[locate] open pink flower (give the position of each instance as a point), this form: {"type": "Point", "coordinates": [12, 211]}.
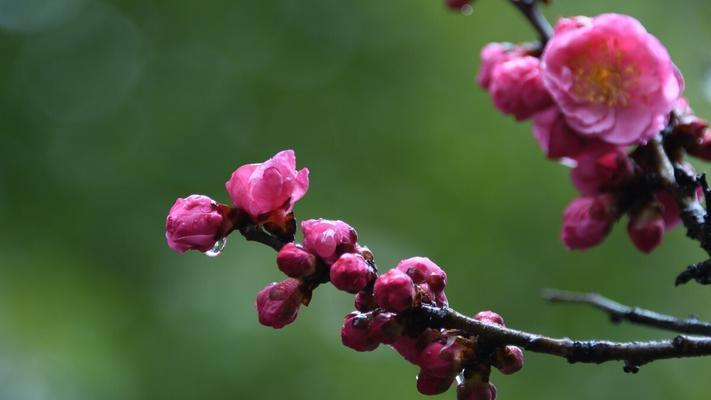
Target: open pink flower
{"type": "Point", "coordinates": [517, 89]}
{"type": "Point", "coordinates": [195, 222]}
{"type": "Point", "coordinates": [272, 185]}
{"type": "Point", "coordinates": [611, 78]}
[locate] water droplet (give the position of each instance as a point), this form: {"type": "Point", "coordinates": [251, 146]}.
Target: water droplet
{"type": "Point", "coordinates": [467, 9]}
{"type": "Point", "coordinates": [216, 250]}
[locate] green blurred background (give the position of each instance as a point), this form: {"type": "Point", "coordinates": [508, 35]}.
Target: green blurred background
{"type": "Point", "coordinates": [111, 110]}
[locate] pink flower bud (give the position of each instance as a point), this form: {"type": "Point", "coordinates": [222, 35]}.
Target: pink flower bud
{"type": "Point", "coordinates": [354, 333]}
{"type": "Point", "coordinates": [194, 223]}
{"type": "Point", "coordinates": [517, 88]}
{"type": "Point", "coordinates": [328, 239]}
{"type": "Point", "coordinates": [492, 55]}
{"type": "Point", "coordinates": [272, 185]}
{"type": "Point", "coordinates": [430, 385]}
{"type": "Point", "coordinates": [457, 5]}
{"type": "Point", "coordinates": [476, 391]}
{"type": "Point", "coordinates": [279, 302]}
{"type": "Point", "coordinates": [611, 78]}
{"type": "Point", "coordinates": [394, 291]}
{"type": "Point", "coordinates": [670, 210]}
{"type": "Point", "coordinates": [444, 358]}
{"type": "Point", "coordinates": [490, 317]}
{"type": "Point", "coordinates": [441, 299]}
{"type": "Point", "coordinates": [646, 228]}
{"type": "Point", "coordinates": [587, 220]}
{"type": "Point", "coordinates": [555, 137]}
{"type": "Point", "coordinates": [364, 301]}
{"type": "Point", "coordinates": [423, 270]}
{"type": "Point", "coordinates": [385, 327]}
{"type": "Point", "coordinates": [296, 262]}
{"type": "Point", "coordinates": [601, 170]}
{"type": "Point", "coordinates": [351, 273]}
{"type": "Point", "coordinates": [509, 359]}
{"type": "Point", "coordinates": [411, 348]}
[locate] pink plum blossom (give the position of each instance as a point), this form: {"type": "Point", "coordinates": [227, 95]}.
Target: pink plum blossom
{"type": "Point", "coordinates": [274, 185]}
{"type": "Point", "coordinates": [587, 220]}
{"type": "Point", "coordinates": [351, 273]}
{"type": "Point", "coordinates": [394, 291]}
{"type": "Point", "coordinates": [611, 78]}
{"type": "Point", "coordinates": [490, 317]}
{"type": "Point", "coordinates": [328, 239]}
{"type": "Point", "coordinates": [295, 261]}
{"type": "Point", "coordinates": [424, 270]}
{"type": "Point", "coordinates": [194, 223]}
{"type": "Point", "coordinates": [279, 302]}
{"type": "Point", "coordinates": [646, 228]}
{"type": "Point", "coordinates": [476, 391]}
{"type": "Point", "coordinates": [517, 88]}
{"type": "Point", "coordinates": [509, 359]}
{"type": "Point", "coordinates": [492, 55]}
{"type": "Point", "coordinates": [431, 385]}
{"type": "Point", "coordinates": [555, 137]}
{"type": "Point", "coordinates": [600, 170]}
{"type": "Point", "coordinates": [355, 333]}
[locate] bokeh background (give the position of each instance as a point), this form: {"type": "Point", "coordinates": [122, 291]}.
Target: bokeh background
{"type": "Point", "coordinates": [111, 110]}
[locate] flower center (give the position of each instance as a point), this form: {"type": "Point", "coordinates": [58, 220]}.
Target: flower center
{"type": "Point", "coordinates": [600, 77]}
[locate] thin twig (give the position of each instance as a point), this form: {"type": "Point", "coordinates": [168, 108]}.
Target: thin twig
{"type": "Point", "coordinates": [529, 8]}
{"type": "Point", "coordinates": [619, 312]}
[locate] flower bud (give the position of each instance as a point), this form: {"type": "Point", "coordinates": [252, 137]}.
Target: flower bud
{"type": "Point", "coordinates": [476, 391]}
{"type": "Point", "coordinates": [195, 223]}
{"type": "Point", "coordinates": [279, 302]}
{"type": "Point", "coordinates": [354, 333]}
{"type": "Point", "coordinates": [490, 317]}
{"type": "Point", "coordinates": [601, 169]}
{"type": "Point", "coordinates": [296, 262]}
{"type": "Point", "coordinates": [509, 359]}
{"type": "Point", "coordinates": [364, 301]}
{"type": "Point", "coordinates": [328, 239]}
{"type": "Point", "coordinates": [646, 227]}
{"type": "Point", "coordinates": [587, 220]}
{"type": "Point", "coordinates": [351, 273]}
{"type": "Point", "coordinates": [423, 270]}
{"type": "Point", "coordinates": [385, 327]}
{"type": "Point", "coordinates": [394, 291]}
{"type": "Point", "coordinates": [555, 137]}
{"type": "Point", "coordinates": [443, 358]}
{"type": "Point", "coordinates": [411, 348]}
{"type": "Point", "coordinates": [492, 55]}
{"type": "Point", "coordinates": [517, 88]}
{"type": "Point", "coordinates": [275, 184]}
{"type": "Point", "coordinates": [430, 385]}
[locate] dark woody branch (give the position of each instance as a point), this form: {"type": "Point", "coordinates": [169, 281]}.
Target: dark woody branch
{"type": "Point", "coordinates": [529, 8]}
{"type": "Point", "coordinates": [619, 312]}
{"type": "Point", "coordinates": [633, 354]}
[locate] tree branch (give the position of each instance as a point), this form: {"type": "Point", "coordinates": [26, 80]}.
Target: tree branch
{"type": "Point", "coordinates": [529, 8]}
{"type": "Point", "coordinates": [633, 354]}
{"type": "Point", "coordinates": [619, 312]}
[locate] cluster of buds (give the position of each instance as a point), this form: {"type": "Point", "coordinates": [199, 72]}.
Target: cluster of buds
{"type": "Point", "coordinates": [443, 356]}
{"type": "Point", "coordinates": [263, 196]}
{"type": "Point", "coordinates": [597, 93]}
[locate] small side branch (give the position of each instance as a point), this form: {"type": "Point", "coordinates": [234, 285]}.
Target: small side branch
{"type": "Point", "coordinates": [700, 272]}
{"type": "Point", "coordinates": [634, 354]}
{"type": "Point", "coordinates": [529, 8]}
{"type": "Point", "coordinates": [619, 312]}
